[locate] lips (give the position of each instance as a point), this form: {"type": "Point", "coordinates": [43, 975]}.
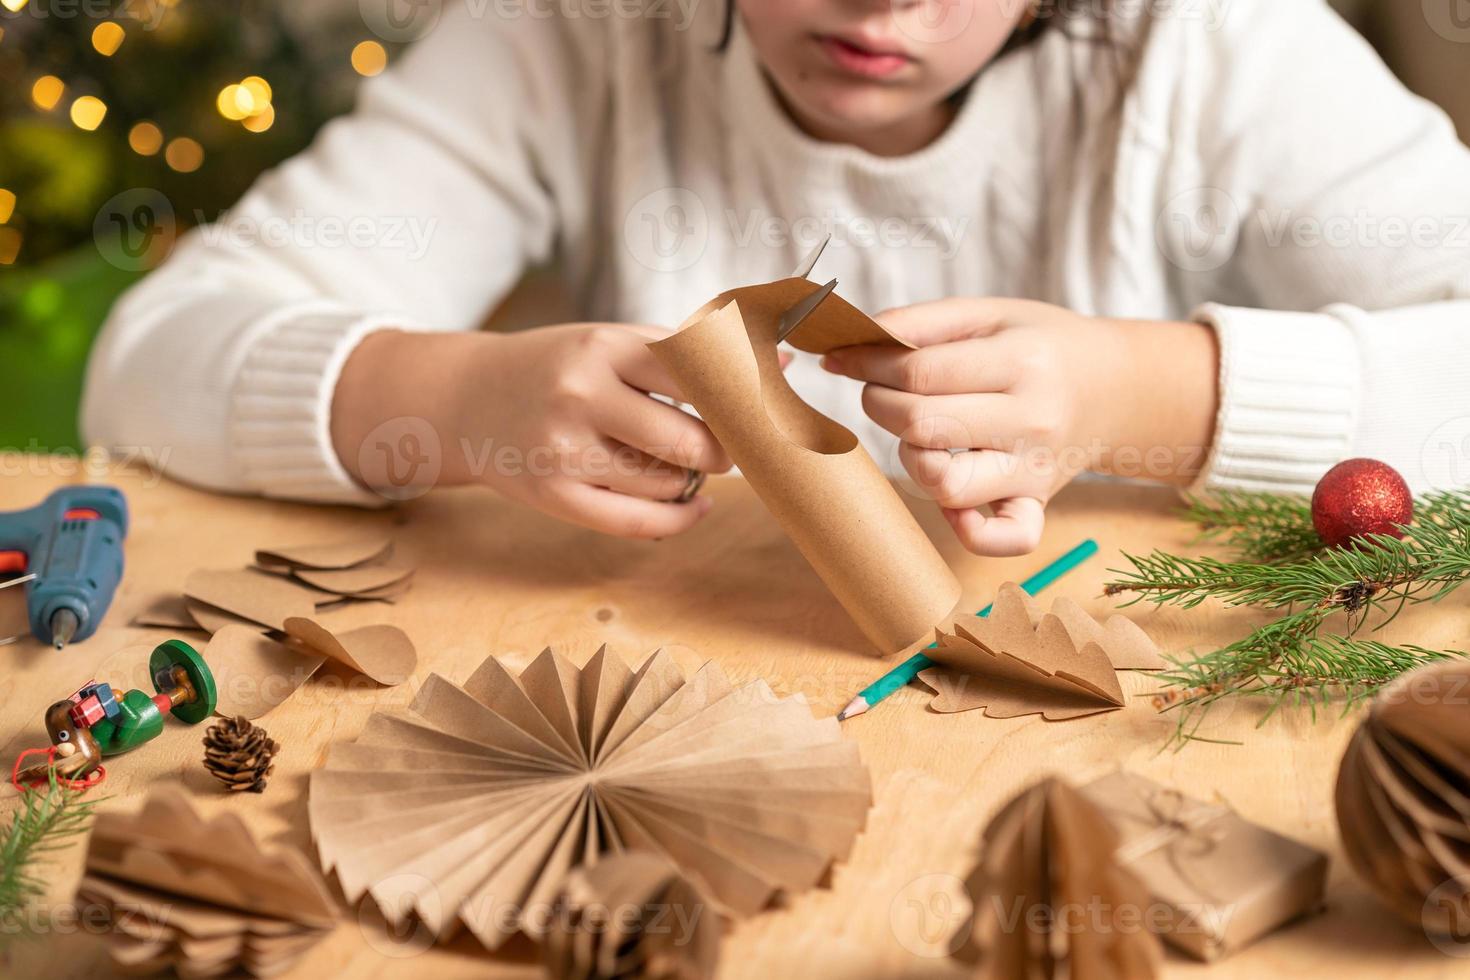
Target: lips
{"type": "Point", "coordinates": [865, 58]}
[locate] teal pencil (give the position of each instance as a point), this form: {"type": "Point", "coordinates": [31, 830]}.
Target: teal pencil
{"type": "Point", "coordinates": [909, 669]}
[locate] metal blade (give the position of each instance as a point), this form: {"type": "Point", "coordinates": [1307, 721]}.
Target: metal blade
{"type": "Point", "coordinates": [792, 318]}
{"type": "Point", "coordinates": [17, 581]}
{"type": "Point", "coordinates": [804, 269]}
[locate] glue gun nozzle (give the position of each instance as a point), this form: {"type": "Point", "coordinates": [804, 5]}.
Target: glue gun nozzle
{"type": "Point", "coordinates": [64, 626]}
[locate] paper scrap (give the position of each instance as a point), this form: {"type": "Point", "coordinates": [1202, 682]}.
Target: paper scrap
{"type": "Point", "coordinates": [384, 653]}
{"type": "Point", "coordinates": [254, 673]}
{"type": "Point", "coordinates": [345, 554]}
{"type": "Point", "coordinates": [264, 599]}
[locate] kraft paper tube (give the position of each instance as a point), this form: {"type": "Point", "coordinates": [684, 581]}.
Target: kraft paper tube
{"type": "Point", "coordinates": [813, 475]}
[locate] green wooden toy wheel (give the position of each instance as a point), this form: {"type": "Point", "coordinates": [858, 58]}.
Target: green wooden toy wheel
{"type": "Point", "coordinates": [177, 653]}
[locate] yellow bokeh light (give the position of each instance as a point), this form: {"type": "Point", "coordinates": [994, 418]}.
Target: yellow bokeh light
{"type": "Point", "coordinates": [369, 58]}
{"type": "Point", "coordinates": [9, 245]}
{"type": "Point", "coordinates": [107, 38]}
{"type": "Point", "coordinates": [184, 155]}
{"type": "Point", "coordinates": [261, 121]}
{"type": "Point", "coordinates": [235, 102]}
{"type": "Point", "coordinates": [14, 6]}
{"type": "Point", "coordinates": [260, 92]}
{"type": "Point", "coordinates": [145, 138]}
{"type": "Point", "coordinates": [7, 205]}
{"type": "Point", "coordinates": [47, 92]}
{"type": "Point", "coordinates": [88, 112]}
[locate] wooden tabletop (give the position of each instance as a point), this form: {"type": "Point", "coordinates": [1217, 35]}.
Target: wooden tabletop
{"type": "Point", "coordinates": [497, 579]}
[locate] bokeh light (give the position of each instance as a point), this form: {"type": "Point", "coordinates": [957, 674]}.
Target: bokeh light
{"type": "Point", "coordinates": [88, 112]}
{"type": "Point", "coordinates": [369, 58]}
{"type": "Point", "coordinates": [7, 205]}
{"type": "Point", "coordinates": [107, 37]}
{"type": "Point", "coordinates": [261, 121]}
{"type": "Point", "coordinates": [184, 155]}
{"type": "Point", "coordinates": [47, 92]}
{"type": "Point", "coordinates": [145, 138]}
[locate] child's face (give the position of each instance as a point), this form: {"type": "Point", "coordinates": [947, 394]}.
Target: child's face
{"type": "Point", "coordinates": [856, 69]}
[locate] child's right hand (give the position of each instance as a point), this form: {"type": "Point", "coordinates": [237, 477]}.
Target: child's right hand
{"type": "Point", "coordinates": [558, 417]}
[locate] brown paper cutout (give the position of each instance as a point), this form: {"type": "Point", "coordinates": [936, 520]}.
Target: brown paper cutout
{"type": "Point", "coordinates": [632, 915]}
{"type": "Point", "coordinates": [1403, 797]}
{"type": "Point", "coordinates": [813, 475]}
{"type": "Point", "coordinates": [356, 581]}
{"type": "Point", "coordinates": [254, 673]}
{"type": "Point", "coordinates": [264, 599]}
{"type": "Point", "coordinates": [200, 896]}
{"type": "Point", "coordinates": [497, 789]}
{"type": "Point", "coordinates": [166, 611]}
{"type": "Point", "coordinates": [1049, 899]}
{"type": "Point", "coordinates": [347, 554]}
{"type": "Point", "coordinates": [1019, 661]}
{"type": "Point", "coordinates": [384, 653]}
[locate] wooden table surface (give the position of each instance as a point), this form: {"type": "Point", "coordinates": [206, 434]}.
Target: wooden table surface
{"type": "Point", "coordinates": [496, 578]}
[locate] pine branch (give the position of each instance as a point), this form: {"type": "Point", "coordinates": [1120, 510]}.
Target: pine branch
{"type": "Point", "coordinates": [45, 823]}
{"type": "Point", "coordinates": [1260, 527]}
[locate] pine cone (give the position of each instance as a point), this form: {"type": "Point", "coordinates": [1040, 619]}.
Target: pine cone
{"type": "Point", "coordinates": [239, 754]}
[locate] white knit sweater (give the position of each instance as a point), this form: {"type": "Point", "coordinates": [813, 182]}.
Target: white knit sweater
{"type": "Point", "coordinates": [1251, 164]}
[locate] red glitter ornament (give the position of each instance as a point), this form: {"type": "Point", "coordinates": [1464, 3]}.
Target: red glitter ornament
{"type": "Point", "coordinates": [1358, 497]}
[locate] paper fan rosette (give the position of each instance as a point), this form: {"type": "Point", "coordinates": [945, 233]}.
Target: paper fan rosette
{"type": "Point", "coordinates": [474, 805]}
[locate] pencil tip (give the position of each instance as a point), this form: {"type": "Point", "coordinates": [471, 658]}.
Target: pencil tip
{"type": "Point", "coordinates": [854, 708]}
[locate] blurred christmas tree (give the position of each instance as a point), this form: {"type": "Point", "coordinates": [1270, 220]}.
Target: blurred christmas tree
{"type": "Point", "coordinates": [121, 115]}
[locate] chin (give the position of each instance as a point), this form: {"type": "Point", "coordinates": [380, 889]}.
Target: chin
{"type": "Point", "coordinates": [852, 108]}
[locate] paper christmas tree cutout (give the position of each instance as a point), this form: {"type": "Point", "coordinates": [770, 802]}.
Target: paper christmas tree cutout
{"type": "Point", "coordinates": [200, 896]}
{"type": "Point", "coordinates": [1044, 890]}
{"type": "Point", "coordinates": [1020, 661]}
{"type": "Point", "coordinates": [483, 797]}
{"type": "Point", "coordinates": [1403, 797]}
{"type": "Point", "coordinates": [632, 915]}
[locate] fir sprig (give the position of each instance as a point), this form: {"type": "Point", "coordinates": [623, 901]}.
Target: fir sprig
{"type": "Point", "coordinates": [1292, 660]}
{"type": "Point", "coordinates": [45, 822]}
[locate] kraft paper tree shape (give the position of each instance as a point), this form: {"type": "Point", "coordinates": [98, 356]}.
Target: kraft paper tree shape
{"type": "Point", "coordinates": [813, 475]}
{"type": "Point", "coordinates": [475, 805]}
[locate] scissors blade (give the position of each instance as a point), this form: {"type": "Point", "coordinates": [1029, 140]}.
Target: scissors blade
{"type": "Point", "coordinates": [792, 318]}
{"type": "Point", "coordinates": [17, 581]}
{"type": "Point", "coordinates": [804, 268]}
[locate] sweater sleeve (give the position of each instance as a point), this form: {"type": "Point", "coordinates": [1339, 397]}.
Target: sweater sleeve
{"type": "Point", "coordinates": [418, 211]}
{"type": "Point", "coordinates": [1343, 313]}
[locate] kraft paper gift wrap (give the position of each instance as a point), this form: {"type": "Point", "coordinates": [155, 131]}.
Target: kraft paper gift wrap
{"type": "Point", "coordinates": [812, 474]}
{"type": "Point", "coordinates": [1221, 881]}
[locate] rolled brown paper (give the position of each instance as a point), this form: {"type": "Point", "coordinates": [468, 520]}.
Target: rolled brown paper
{"type": "Point", "coordinates": [813, 475]}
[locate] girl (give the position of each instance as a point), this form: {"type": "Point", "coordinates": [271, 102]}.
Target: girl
{"type": "Point", "coordinates": [1242, 247]}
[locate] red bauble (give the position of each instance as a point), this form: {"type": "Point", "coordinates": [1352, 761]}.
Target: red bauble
{"type": "Point", "coordinates": [1358, 497]}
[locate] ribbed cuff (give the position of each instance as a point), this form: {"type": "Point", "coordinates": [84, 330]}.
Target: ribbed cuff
{"type": "Point", "coordinates": [280, 424]}
{"type": "Point", "coordinates": [1290, 386]}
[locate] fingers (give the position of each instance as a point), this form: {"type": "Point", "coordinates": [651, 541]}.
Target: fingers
{"type": "Point", "coordinates": [636, 365]}
{"type": "Point", "coordinates": [619, 514]}
{"type": "Point", "coordinates": [957, 318]}
{"type": "Point", "coordinates": [973, 479]}
{"type": "Point", "coordinates": [981, 421]}
{"type": "Point", "coordinates": [950, 369]}
{"type": "Point", "coordinates": [1014, 529]}
{"type": "Point", "coordinates": [661, 430]}
{"type": "Point", "coordinates": [634, 472]}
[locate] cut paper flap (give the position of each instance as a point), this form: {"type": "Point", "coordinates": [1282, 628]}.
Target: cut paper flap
{"type": "Point", "coordinates": [812, 474]}
{"type": "Point", "coordinates": [264, 599]}
{"type": "Point", "coordinates": [1403, 797]}
{"type": "Point", "coordinates": [166, 611]}
{"type": "Point", "coordinates": [253, 673]}
{"type": "Point", "coordinates": [200, 896]}
{"type": "Point", "coordinates": [1047, 859]}
{"type": "Point", "coordinates": [497, 789]}
{"type": "Point", "coordinates": [1019, 661]}
{"type": "Point", "coordinates": [613, 921]}
{"type": "Point", "coordinates": [384, 653]}
{"type": "Point", "coordinates": [346, 554]}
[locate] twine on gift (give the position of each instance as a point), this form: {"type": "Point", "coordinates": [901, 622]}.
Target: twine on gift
{"type": "Point", "coordinates": [1174, 825]}
{"type": "Point", "coordinates": [41, 777]}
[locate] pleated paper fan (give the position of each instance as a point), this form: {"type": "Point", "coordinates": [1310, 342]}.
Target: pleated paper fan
{"type": "Point", "coordinates": [475, 804]}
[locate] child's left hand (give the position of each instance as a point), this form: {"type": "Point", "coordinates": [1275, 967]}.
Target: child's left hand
{"type": "Point", "coordinates": [1027, 395]}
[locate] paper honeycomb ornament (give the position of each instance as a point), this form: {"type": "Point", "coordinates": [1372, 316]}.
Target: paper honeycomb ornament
{"type": "Point", "coordinates": [632, 916]}
{"type": "Point", "coordinates": [200, 897]}
{"type": "Point", "coordinates": [475, 805]}
{"type": "Point", "coordinates": [1050, 899]}
{"type": "Point", "coordinates": [1403, 797]}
